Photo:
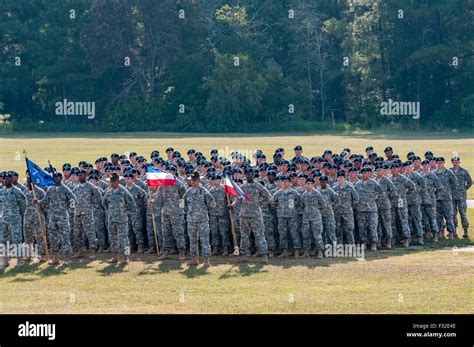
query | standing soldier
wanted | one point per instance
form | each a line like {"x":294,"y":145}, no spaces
{"x":135,"y":222}
{"x":444,"y":200}
{"x":286,"y":202}
{"x":428,"y":206}
{"x":219,"y":217}
{"x":154,"y":205}
{"x":31,"y":224}
{"x":369,"y":191}
{"x":197,"y":203}
{"x":119,"y":205}
{"x":383,"y":204}
{"x":99,"y":216}
{"x":312,"y":224}
{"x":171,"y":204}
{"x":460,"y":193}
{"x":57,"y":201}
{"x":348,"y":197}
{"x":327,"y":212}
{"x":86,"y":196}
{"x":414,"y":201}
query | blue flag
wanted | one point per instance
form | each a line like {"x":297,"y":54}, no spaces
{"x":38,"y":176}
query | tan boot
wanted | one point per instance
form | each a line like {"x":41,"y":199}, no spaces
{"x":207,"y":261}
{"x":406,"y":243}
{"x":319,"y":254}
{"x":455,"y":235}
{"x":182,"y":255}
{"x":265,"y":259}
{"x":67,"y":259}
{"x":373,"y":247}
{"x":225,"y":252}
{"x":126,"y":260}
{"x":140,"y":249}
{"x":420,"y":241}
{"x":79,"y":254}
{"x":305,"y":254}
{"x":451,"y":236}
{"x":114,"y":259}
{"x":93,"y":254}
{"x":194,"y":261}
{"x":297,"y":253}
{"x":257,"y":254}
{"x":215,"y":251}
{"x":435,"y":238}
{"x":389,"y":244}
{"x":55,"y":261}
{"x":270,"y":254}
{"x":165,"y":255}
{"x":284,"y":254}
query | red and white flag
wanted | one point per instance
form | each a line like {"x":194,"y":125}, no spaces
{"x":156,"y":177}
{"x":233,"y":189}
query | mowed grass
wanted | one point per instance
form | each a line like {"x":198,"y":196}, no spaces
{"x":432,"y":279}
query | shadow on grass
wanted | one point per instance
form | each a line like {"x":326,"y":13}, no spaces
{"x":111,"y":269}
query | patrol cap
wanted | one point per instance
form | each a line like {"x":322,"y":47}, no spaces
{"x":304,"y":161}
{"x":95,"y":172}
{"x":154,"y":154}
{"x":309,"y":180}
{"x":214,"y":151}
{"x":66,"y":167}
{"x":370,"y":148}
{"x":373,"y":155}
{"x":440,"y":159}
{"x":429,"y":155}
{"x":303,"y":175}
{"x":132,"y":154}
{"x":455,"y":158}
{"x":116,"y":168}
{"x":114,"y":177}
{"x":408,"y":163}
{"x":81,"y":171}
{"x":425,"y":162}
{"x":394,"y":165}
{"x":409,"y":154}
{"x":169,"y":149}
{"x":191,"y":151}
{"x":248,"y":169}
{"x":298,"y":148}
{"x":324,"y":178}
{"x":327,"y":151}
{"x":292,"y":175}
{"x":388,"y":149}
{"x":128,"y":175}
{"x":352,"y":169}
{"x":171,"y":167}
{"x":93,"y":178}
{"x":7,"y":175}
{"x":341,"y":173}
{"x":279,"y":149}
{"x":74,"y":170}
{"x":216,"y":177}
{"x":348,"y":164}
{"x":194,"y":176}
{"x":317,"y":173}
{"x":395,"y":156}
{"x":82,"y":162}
{"x":57,"y":174}
{"x":238,"y":180}
{"x":122,"y":157}
{"x":284,"y":178}
{"x":366,"y":169}
{"x":176,"y":154}
{"x":378,"y":166}
{"x":108,"y":168}
{"x":114,"y":155}
{"x":385,"y":166}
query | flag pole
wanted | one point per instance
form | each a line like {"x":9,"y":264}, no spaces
{"x":153,"y":220}
{"x":234,"y":239}
{"x":38,"y":213}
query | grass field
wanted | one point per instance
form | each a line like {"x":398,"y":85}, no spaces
{"x":432,"y":279}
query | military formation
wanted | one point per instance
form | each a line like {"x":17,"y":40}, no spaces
{"x":291,"y":208}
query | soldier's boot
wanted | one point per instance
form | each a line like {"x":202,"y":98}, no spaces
{"x":100,"y":249}
{"x":166,"y":254}
{"x":257,"y":254}
{"x":451,"y":236}
{"x":174,"y":251}
{"x":420,"y":241}
{"x":194,"y":261}
{"x":406,"y":243}
{"x":466,"y":236}
{"x":182,"y":255}
{"x":429,"y":235}
{"x":79,"y":254}
{"x":389,"y":244}
{"x":455,"y":234}
{"x":283,"y":254}
{"x":126,"y":260}
{"x":93,"y":254}
{"x":442,"y":235}
{"x":435,"y":237}
{"x":5,"y":263}
{"x":107,"y":250}
{"x":270,"y":254}
{"x":67,"y":259}
{"x":265,"y":259}
{"x":151,"y":250}
{"x":225,"y":252}
{"x":140,"y":249}
{"x":305,"y":254}
{"x":297,"y":253}
{"x":20,"y":262}
{"x":319,"y":254}
{"x":114,"y":259}
{"x":207,"y":261}
{"x":215,"y":250}
{"x":55,"y":261}
{"x":373,"y":246}
{"x":42,"y":258}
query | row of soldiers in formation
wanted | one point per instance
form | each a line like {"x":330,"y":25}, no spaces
{"x":293,"y":207}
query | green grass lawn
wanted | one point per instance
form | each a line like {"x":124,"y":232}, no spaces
{"x":433,"y":279}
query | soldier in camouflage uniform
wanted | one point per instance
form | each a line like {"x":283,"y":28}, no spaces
{"x":343,"y":211}
{"x":197,"y":203}
{"x":119,"y":204}
{"x":99,"y":216}
{"x":171,"y":204}
{"x":414,"y":198}
{"x":14,"y":206}
{"x":154,"y":205}
{"x":399,"y":204}
{"x":369,"y":191}
{"x":428,"y":205}
{"x":464,"y":182}
{"x":312,"y":224}
{"x":57,"y":201}
{"x":135,"y":222}
{"x":384,"y":206}
{"x":251,"y":219}
{"x":86,"y":196}
{"x":444,"y":199}
{"x":31,"y":223}
{"x":286,"y":202}
{"x":219,"y":217}
{"x":327,"y":211}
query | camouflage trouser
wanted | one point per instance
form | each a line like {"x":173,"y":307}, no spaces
{"x":198,"y":232}
{"x":444,"y":212}
{"x":288,"y":225}
{"x":252,"y":225}
{"x":269,"y":227}
{"x":100,"y":228}
{"x":58,"y":228}
{"x":84,"y":228}
{"x":119,"y":237}
{"x":135,"y":226}
{"x":172,"y":227}
{"x":32,"y":231}
{"x":429,"y":218}
{"x":219,"y":226}
{"x":400,"y":216}
{"x":368,"y":220}
{"x":151,"y":232}
{"x":329,"y":226}
{"x":312,"y":227}
{"x":12,"y":232}
{"x":460,"y":206}
{"x":71,"y":227}
{"x":344,"y":226}
{"x":236,"y":220}
{"x":415,"y":219}
{"x":384,"y":228}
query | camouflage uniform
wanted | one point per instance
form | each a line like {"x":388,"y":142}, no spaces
{"x":444,"y":199}
{"x":197,"y":203}
{"x":428,"y":203}
{"x":71,"y":208}
{"x":384,"y":206}
{"x":172,"y":221}
{"x":219,"y":218}
{"x":368,"y":217}
{"x":57,"y":201}
{"x":31,"y":223}
{"x":400,"y":206}
{"x":464,"y":182}
{"x":156,"y":208}
{"x":414,"y":204}
{"x":119,"y":204}
{"x":235,"y":212}
{"x":327,"y":213}
{"x":135,"y":220}
{"x":251,"y":219}
{"x":14,"y":207}
{"x":99,"y":220}
{"x":312,"y":224}
{"x":287,"y":202}
{"x":343,"y":211}
{"x":86,"y":196}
